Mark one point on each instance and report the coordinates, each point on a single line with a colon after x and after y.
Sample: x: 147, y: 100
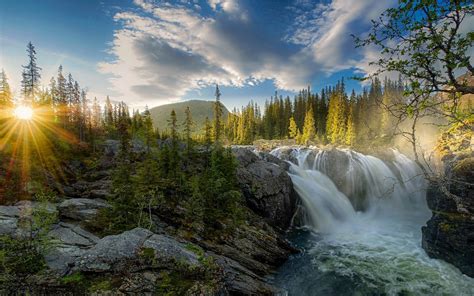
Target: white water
x: 376, y: 250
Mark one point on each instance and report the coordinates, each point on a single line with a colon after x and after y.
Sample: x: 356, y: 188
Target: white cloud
x: 169, y: 50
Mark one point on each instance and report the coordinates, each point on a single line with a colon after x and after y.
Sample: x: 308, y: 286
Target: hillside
x: 199, y: 110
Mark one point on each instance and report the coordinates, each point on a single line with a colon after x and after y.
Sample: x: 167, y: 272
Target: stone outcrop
x: 81, y: 209
x: 266, y: 186
x: 139, y: 260
x: 69, y: 242
x: 449, y: 234
x: 115, y: 252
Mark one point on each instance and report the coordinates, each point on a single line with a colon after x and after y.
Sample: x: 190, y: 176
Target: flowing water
x: 363, y: 235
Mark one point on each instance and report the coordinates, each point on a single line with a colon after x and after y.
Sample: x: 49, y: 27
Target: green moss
x: 147, y: 254
x: 74, y: 278
x: 195, y: 249
x: 173, y: 283
x: 445, y: 227
x: 101, y: 285
x: 452, y: 216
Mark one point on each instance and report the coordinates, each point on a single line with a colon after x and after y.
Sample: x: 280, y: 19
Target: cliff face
x: 449, y: 234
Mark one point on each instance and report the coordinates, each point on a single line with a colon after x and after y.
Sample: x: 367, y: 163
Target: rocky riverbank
x: 146, y: 262
x: 449, y: 234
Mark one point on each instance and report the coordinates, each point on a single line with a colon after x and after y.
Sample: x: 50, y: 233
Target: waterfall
x: 337, y: 185
x: 366, y: 214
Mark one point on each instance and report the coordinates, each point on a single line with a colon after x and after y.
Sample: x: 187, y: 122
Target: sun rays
x: 30, y: 140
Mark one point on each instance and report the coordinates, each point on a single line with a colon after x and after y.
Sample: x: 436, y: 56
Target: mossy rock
x: 446, y: 227
x: 464, y: 167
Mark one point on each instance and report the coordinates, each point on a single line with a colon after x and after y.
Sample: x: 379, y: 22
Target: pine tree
x: 148, y: 129
x: 30, y: 76
x: 6, y: 97
x: 217, y: 116
x: 188, y: 129
x: 124, y: 133
x: 207, y: 133
x: 351, y: 130
x: 309, y: 129
x: 173, y: 152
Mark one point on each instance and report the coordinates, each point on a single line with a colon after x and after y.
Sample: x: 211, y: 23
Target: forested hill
x: 199, y: 110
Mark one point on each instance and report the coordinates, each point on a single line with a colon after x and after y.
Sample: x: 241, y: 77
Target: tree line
x: 331, y: 116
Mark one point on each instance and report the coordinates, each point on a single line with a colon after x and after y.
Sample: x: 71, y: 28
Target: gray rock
x: 168, y: 250
x: 449, y: 234
x: 9, y: 219
x: 69, y: 243
x: 25, y: 206
x: 100, y: 193
x: 115, y: 252
x: 82, y: 209
x: 241, y: 281
x: 74, y: 235
x: 267, y: 188
x: 112, y: 147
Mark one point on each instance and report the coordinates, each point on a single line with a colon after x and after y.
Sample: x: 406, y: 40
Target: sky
x: 153, y: 52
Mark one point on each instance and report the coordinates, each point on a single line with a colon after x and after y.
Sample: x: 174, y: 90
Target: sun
x: 23, y: 112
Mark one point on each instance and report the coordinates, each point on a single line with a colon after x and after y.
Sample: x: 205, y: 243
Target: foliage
x: 425, y: 42
x: 23, y: 256
x: 428, y: 42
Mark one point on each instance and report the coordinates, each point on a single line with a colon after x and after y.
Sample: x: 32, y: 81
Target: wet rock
x: 267, y: 188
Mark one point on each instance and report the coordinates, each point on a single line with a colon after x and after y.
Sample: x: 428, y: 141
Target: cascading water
x: 365, y: 217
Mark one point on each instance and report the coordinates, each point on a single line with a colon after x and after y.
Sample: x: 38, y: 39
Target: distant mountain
x: 199, y: 110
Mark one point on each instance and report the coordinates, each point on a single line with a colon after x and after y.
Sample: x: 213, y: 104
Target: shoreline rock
x: 449, y: 234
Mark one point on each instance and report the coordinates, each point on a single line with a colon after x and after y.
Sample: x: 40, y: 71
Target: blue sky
x: 147, y: 52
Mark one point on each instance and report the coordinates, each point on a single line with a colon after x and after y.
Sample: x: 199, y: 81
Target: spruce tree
x: 6, y: 97
x: 217, y: 115
x: 188, y: 130
x: 148, y: 129
x: 207, y: 134
x: 30, y: 76
x: 173, y: 152
x: 309, y: 130
x: 351, y: 130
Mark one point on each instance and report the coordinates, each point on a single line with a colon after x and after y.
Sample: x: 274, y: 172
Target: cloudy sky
x: 152, y: 52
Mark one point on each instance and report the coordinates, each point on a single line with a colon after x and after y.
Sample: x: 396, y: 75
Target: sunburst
x: 28, y: 139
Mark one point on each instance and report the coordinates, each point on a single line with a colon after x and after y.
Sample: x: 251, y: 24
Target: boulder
x: 267, y: 187
x: 118, y: 252
x: 81, y: 209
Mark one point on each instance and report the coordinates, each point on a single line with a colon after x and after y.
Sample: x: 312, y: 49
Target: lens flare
x: 31, y: 139
x: 23, y: 112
